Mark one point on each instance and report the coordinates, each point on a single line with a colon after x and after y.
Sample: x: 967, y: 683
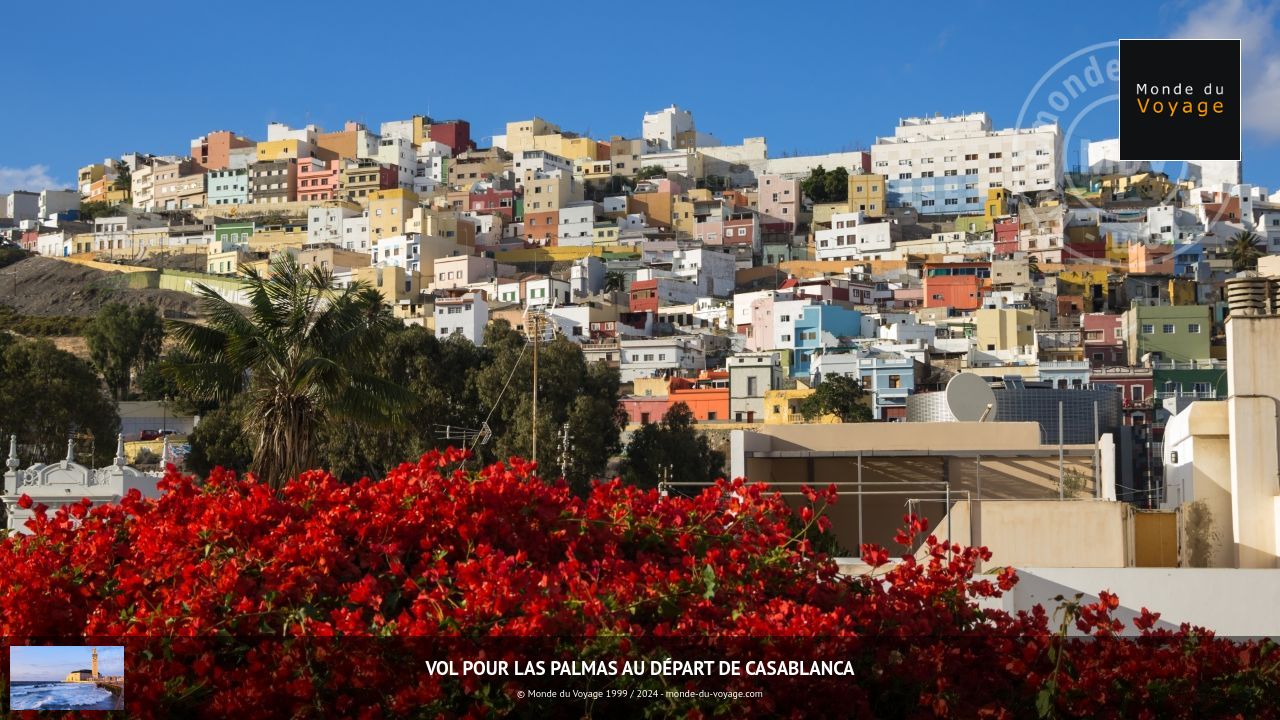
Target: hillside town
x: 1090, y: 297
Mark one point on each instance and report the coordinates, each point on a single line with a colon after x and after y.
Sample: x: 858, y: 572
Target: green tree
x: 671, y: 449
x: 1244, y: 249
x: 46, y: 394
x: 124, y: 177
x: 838, y: 395
x: 585, y: 397
x: 304, y: 354
x: 614, y: 281
x: 90, y: 211
x: 651, y: 171
x: 438, y: 375
x: 220, y: 441
x: 124, y: 340
x: 823, y: 187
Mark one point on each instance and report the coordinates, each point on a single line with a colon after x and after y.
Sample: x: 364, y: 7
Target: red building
x: 1005, y: 232
x: 494, y: 202
x: 960, y: 286
x: 644, y: 296
x: 454, y: 133
x: 213, y: 151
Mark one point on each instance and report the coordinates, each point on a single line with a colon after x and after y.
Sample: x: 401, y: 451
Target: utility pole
x: 534, y: 317
x: 564, y: 451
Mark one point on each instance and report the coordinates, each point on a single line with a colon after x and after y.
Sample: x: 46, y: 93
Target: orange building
x: 542, y: 228
x: 1152, y: 259
x: 213, y: 151
x: 956, y: 285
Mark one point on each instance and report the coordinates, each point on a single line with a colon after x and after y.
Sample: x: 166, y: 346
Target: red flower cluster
x: 323, y: 601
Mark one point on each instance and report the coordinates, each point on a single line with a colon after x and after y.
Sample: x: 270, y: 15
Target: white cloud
x: 34, y: 178
x: 1254, y: 24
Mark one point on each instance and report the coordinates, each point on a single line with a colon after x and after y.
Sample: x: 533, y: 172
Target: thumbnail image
x: 66, y: 677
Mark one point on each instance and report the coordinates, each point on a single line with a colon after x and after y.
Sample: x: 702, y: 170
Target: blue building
x: 946, y: 195
x: 822, y: 326
x: 888, y: 378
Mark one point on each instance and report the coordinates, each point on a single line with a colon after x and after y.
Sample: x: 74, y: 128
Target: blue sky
x: 87, y: 80
x: 53, y: 662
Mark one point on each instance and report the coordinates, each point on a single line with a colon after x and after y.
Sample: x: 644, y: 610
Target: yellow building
x: 1006, y: 328
x: 88, y: 175
x: 997, y: 204
x: 1148, y: 186
x: 605, y: 234
x: 283, y: 149
x: 390, y: 212
x: 867, y: 194
x: 395, y: 284
x: 274, y: 238
x: 782, y: 407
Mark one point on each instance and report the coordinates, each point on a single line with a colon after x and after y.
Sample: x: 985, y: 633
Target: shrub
x: 323, y: 600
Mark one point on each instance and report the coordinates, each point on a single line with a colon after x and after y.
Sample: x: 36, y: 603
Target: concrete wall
x: 1200, y: 482
x: 1045, y: 533
x: 1180, y: 595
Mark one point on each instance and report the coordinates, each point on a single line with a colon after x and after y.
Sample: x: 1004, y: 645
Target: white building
x: 403, y: 251
x: 851, y: 237
x: 654, y: 357
x: 577, y: 224
x: 946, y: 165
x: 1104, y: 159
x: 460, y: 271
x: 53, y: 202
x: 751, y: 375
x: 324, y: 223
x: 23, y: 205
x: 465, y: 315
x: 355, y: 232
x: 714, y: 272
x: 65, y: 482
x: 664, y: 128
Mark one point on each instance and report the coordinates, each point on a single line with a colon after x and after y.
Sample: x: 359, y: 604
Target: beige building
x: 522, y: 135
x: 177, y: 185
x: 472, y: 166
x: 390, y: 212
x: 1007, y: 329
x: 544, y: 192
x: 884, y: 469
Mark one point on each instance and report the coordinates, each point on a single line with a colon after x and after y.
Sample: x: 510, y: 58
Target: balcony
x: 1189, y: 365
x: 1210, y: 394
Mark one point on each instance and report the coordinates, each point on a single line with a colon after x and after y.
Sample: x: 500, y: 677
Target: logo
x: 1180, y: 98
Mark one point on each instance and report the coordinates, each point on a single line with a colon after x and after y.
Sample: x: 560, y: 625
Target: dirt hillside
x: 44, y: 286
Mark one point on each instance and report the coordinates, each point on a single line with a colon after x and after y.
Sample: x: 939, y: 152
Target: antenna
x: 970, y: 398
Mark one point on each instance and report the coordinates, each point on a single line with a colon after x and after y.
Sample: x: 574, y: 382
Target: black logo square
x: 1180, y: 99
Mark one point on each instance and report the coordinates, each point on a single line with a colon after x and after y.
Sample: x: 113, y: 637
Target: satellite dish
x: 970, y: 398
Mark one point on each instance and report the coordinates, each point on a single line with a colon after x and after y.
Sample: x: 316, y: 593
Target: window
x: 1136, y: 392
x: 711, y: 415
x: 952, y: 201
x: 1193, y: 328
x: 1119, y: 332
x: 993, y: 156
x: 1202, y: 389
x: 895, y: 381
x: 904, y: 176
x: 971, y: 171
x: 1148, y: 328
x: 949, y: 173
x: 927, y: 174
x: 1167, y: 328
x: 994, y: 169
x: 973, y: 156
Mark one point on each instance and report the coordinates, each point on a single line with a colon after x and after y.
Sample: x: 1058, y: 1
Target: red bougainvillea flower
x: 327, y: 600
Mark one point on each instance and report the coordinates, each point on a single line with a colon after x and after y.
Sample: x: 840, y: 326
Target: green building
x: 232, y: 234
x: 1179, y: 333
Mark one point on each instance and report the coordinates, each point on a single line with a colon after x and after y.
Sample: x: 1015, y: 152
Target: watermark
x: 1082, y: 90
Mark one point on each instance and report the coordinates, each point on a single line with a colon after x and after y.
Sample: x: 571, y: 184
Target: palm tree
x: 1244, y: 249
x: 302, y: 352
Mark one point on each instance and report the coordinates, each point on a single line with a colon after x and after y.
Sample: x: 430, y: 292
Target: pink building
x: 317, y: 180
x: 779, y: 201
x: 1104, y: 339
x: 760, y: 332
